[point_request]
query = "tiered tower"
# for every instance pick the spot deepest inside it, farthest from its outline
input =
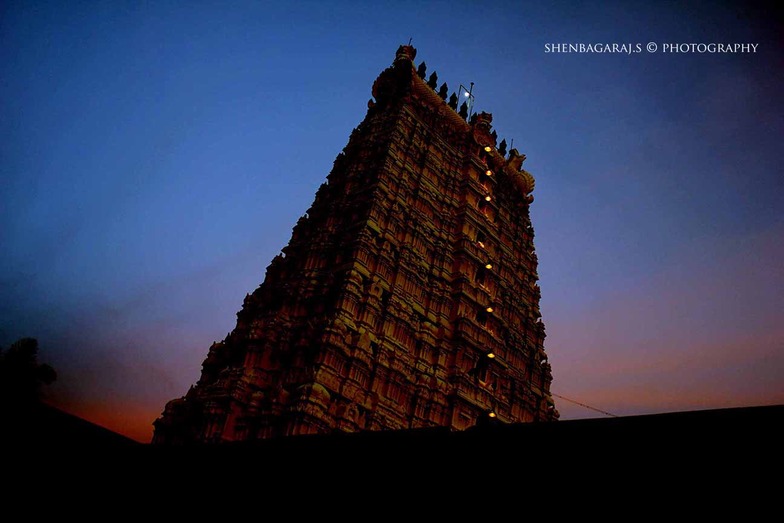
(406, 298)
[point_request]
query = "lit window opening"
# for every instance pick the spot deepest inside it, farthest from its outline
(481, 238)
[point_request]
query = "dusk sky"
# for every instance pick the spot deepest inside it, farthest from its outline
(154, 157)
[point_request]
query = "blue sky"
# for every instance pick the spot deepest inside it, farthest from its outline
(154, 158)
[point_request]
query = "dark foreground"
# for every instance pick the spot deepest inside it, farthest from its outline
(729, 453)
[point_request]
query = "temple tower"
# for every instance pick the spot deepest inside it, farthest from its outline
(407, 296)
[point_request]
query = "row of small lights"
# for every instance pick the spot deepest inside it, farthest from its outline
(491, 354)
(488, 172)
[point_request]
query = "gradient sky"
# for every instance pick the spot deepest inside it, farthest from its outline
(155, 156)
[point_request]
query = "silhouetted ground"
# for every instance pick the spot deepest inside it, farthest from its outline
(46, 428)
(729, 450)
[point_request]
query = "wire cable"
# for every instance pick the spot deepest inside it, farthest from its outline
(584, 405)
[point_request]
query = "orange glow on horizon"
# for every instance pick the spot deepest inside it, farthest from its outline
(128, 419)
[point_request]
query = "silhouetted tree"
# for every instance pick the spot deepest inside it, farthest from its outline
(21, 376)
